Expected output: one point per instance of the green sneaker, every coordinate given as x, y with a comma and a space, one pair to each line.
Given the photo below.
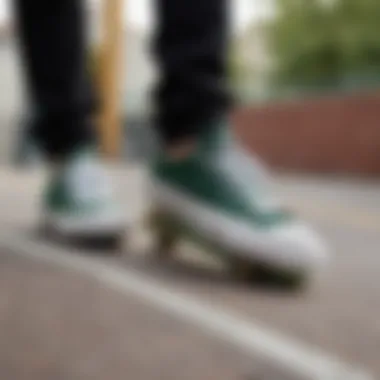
79, 202
218, 196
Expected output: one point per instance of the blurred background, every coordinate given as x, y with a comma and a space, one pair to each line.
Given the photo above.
307, 70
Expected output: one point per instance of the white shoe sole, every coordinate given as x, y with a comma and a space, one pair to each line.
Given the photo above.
84, 226
292, 246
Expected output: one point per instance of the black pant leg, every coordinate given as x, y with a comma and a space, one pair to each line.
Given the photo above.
54, 52
192, 54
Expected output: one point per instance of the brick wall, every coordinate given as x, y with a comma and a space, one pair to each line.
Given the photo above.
329, 134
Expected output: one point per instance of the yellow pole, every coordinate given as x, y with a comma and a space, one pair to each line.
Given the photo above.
111, 133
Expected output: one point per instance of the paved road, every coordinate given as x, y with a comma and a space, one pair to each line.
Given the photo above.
70, 315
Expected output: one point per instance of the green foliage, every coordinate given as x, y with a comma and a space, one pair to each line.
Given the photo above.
237, 68
325, 42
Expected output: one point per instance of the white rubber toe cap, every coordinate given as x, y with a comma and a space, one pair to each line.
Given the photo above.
298, 246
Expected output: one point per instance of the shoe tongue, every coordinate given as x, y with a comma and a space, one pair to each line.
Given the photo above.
249, 175
81, 155
86, 178
246, 172
216, 139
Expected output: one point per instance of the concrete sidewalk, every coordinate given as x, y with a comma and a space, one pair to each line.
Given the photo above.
52, 327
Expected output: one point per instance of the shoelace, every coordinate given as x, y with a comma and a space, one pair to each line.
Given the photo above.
250, 177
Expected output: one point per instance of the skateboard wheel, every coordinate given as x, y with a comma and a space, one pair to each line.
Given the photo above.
110, 242
292, 280
248, 271
165, 235
242, 270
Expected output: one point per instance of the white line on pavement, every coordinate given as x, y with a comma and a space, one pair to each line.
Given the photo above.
251, 337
